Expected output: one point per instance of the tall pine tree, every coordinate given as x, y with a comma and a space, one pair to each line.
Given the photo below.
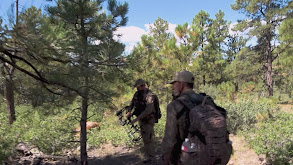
263, 18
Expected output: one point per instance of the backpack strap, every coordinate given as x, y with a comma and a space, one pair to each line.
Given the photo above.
187, 105
185, 101
204, 100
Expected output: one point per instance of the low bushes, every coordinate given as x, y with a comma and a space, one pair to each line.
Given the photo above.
267, 129
246, 113
274, 138
50, 134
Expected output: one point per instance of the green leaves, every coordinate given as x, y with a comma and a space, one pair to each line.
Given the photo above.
243, 115
274, 139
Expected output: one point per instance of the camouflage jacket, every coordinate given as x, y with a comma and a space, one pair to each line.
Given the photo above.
176, 129
143, 104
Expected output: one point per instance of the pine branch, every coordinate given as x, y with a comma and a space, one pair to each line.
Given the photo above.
37, 74
281, 51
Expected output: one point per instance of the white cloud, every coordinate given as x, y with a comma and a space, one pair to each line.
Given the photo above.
251, 41
172, 28
131, 35
148, 27
232, 25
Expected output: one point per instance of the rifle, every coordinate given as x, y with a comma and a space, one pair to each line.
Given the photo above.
134, 130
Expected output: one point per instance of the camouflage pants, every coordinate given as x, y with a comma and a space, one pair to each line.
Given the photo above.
147, 133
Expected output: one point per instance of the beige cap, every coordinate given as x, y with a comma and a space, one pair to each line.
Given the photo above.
139, 82
183, 76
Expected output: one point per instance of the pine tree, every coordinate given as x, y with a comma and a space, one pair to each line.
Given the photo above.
218, 35
72, 50
199, 36
263, 18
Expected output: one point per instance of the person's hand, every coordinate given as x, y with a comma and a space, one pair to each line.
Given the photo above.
128, 115
134, 120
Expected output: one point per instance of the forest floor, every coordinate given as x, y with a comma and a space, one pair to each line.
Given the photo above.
118, 155
112, 155
109, 155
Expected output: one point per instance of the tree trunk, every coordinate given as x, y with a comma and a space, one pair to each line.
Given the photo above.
287, 91
84, 108
83, 136
270, 80
236, 86
269, 71
85, 99
9, 97
83, 120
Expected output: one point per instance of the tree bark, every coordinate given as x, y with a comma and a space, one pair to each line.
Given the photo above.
85, 98
83, 135
269, 72
9, 97
236, 85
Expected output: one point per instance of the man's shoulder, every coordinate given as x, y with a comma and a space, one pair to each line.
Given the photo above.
149, 92
136, 93
175, 105
149, 96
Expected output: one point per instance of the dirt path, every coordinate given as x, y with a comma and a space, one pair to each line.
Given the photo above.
288, 108
243, 155
108, 155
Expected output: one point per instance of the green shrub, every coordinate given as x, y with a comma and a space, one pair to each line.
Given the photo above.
246, 113
49, 133
160, 126
112, 132
227, 90
273, 137
211, 91
7, 139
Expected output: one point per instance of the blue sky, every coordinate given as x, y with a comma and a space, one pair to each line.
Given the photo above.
142, 13
176, 11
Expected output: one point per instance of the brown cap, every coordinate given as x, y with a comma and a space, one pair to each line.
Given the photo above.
183, 76
139, 82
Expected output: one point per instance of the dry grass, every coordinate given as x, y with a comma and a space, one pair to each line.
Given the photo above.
288, 108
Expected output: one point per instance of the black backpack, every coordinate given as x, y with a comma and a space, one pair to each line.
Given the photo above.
208, 131
157, 112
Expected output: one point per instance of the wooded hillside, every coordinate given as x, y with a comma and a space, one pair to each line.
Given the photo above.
62, 66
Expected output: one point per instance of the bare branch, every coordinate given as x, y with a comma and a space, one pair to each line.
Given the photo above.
106, 64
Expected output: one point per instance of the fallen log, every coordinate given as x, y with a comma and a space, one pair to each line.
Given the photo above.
21, 147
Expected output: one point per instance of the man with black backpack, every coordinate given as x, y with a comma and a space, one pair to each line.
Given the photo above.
196, 130
147, 112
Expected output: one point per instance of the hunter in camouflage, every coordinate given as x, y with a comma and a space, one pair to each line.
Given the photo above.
177, 123
143, 104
